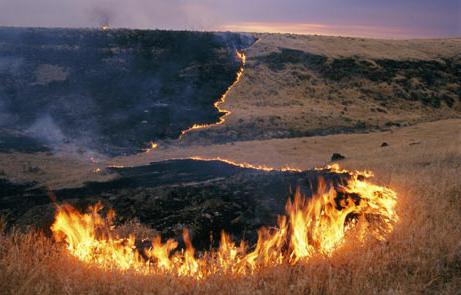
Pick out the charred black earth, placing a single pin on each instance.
(110, 91)
(203, 196)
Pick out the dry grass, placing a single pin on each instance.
(361, 150)
(51, 170)
(364, 47)
(423, 255)
(297, 100)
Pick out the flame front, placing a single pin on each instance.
(247, 165)
(312, 226)
(241, 56)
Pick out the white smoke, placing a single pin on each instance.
(161, 14)
(45, 129)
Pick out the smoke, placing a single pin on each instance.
(161, 14)
(428, 18)
(103, 15)
(46, 129)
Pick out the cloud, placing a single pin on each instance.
(322, 29)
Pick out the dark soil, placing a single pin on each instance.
(17, 142)
(112, 91)
(204, 196)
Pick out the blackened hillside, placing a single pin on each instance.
(112, 91)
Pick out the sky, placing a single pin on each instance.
(366, 18)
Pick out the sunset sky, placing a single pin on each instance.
(368, 18)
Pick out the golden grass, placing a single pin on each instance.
(423, 255)
(274, 104)
(361, 150)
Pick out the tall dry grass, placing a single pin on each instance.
(422, 256)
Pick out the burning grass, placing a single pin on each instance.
(315, 226)
(242, 57)
(422, 254)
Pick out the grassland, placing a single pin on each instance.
(296, 86)
(421, 161)
(422, 256)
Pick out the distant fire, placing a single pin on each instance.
(311, 226)
(248, 165)
(105, 27)
(152, 146)
(241, 56)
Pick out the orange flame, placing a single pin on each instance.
(152, 146)
(316, 226)
(241, 56)
(248, 165)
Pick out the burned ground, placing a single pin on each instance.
(112, 91)
(285, 92)
(203, 196)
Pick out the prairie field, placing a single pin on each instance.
(421, 256)
(208, 132)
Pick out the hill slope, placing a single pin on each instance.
(111, 91)
(297, 86)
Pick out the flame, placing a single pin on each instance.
(152, 146)
(319, 225)
(248, 165)
(242, 57)
(116, 167)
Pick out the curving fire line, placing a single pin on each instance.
(247, 165)
(241, 56)
(320, 225)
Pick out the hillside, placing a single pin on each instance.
(79, 109)
(296, 86)
(110, 92)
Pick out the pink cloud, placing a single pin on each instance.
(323, 29)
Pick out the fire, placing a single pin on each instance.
(248, 165)
(152, 146)
(319, 225)
(116, 167)
(241, 56)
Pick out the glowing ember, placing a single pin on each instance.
(316, 226)
(241, 56)
(152, 146)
